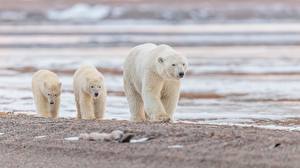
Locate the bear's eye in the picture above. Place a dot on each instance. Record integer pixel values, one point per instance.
(183, 64)
(99, 86)
(173, 64)
(55, 95)
(48, 94)
(92, 86)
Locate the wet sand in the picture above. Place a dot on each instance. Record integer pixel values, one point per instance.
(173, 145)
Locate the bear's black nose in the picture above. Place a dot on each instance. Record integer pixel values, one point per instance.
(96, 94)
(51, 102)
(181, 74)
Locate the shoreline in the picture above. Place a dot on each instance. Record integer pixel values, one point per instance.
(172, 145)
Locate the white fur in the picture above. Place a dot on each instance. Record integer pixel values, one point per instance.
(46, 89)
(152, 82)
(86, 82)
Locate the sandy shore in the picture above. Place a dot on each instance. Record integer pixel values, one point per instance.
(173, 145)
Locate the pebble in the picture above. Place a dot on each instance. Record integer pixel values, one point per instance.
(175, 146)
(72, 138)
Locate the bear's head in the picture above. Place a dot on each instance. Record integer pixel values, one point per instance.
(170, 64)
(52, 91)
(94, 87)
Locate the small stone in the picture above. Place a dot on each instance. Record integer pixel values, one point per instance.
(175, 146)
(40, 137)
(277, 145)
(72, 138)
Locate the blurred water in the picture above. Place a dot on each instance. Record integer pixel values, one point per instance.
(248, 84)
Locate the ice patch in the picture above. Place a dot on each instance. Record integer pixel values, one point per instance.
(72, 138)
(40, 137)
(80, 12)
(139, 140)
(175, 146)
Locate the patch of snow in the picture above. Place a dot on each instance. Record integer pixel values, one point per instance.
(40, 137)
(72, 138)
(139, 140)
(80, 12)
(175, 146)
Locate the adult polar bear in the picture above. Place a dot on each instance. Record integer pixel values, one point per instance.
(152, 81)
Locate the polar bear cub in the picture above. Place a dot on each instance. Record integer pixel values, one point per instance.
(90, 93)
(46, 89)
(152, 81)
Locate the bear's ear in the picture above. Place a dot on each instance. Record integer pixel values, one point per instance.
(160, 60)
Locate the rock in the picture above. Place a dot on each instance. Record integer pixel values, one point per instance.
(117, 134)
(277, 145)
(95, 136)
(126, 138)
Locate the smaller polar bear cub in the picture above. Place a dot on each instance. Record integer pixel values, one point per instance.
(152, 76)
(46, 89)
(90, 93)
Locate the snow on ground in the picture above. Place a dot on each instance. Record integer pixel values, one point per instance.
(79, 12)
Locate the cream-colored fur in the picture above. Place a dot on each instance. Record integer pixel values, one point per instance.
(87, 82)
(46, 90)
(152, 81)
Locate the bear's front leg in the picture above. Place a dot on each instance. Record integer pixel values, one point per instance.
(170, 97)
(154, 107)
(86, 107)
(99, 107)
(54, 109)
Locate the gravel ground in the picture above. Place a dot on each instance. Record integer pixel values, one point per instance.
(173, 145)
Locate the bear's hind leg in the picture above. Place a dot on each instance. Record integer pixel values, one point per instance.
(135, 102)
(136, 108)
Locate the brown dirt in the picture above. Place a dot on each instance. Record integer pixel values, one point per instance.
(203, 145)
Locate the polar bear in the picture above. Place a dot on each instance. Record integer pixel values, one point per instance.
(152, 81)
(90, 93)
(46, 89)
